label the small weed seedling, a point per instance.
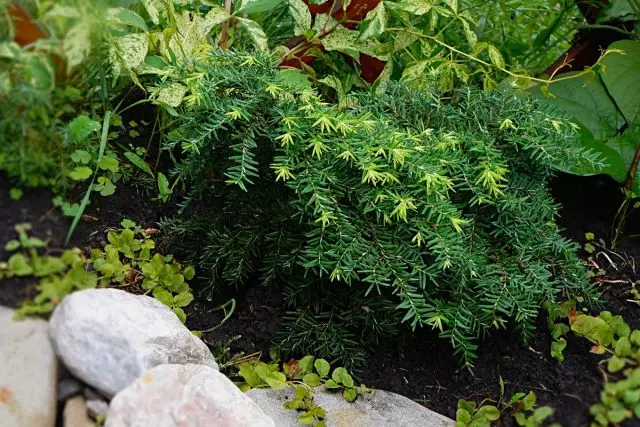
(612, 337)
(127, 260)
(57, 276)
(522, 407)
(302, 376)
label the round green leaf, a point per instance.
(312, 380)
(490, 412)
(349, 395)
(163, 295)
(322, 367)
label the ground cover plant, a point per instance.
(374, 164)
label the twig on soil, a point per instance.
(608, 259)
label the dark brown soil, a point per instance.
(423, 370)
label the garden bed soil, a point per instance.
(423, 369)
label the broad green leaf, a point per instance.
(77, 44)
(348, 42)
(379, 87)
(153, 8)
(301, 16)
(295, 78)
(335, 83)
(80, 173)
(183, 299)
(415, 7)
(137, 161)
(255, 32)
(495, 56)
(324, 22)
(616, 10)
(620, 74)
(155, 61)
(216, 16)
(9, 50)
(586, 101)
(322, 367)
(413, 71)
(40, 72)
(81, 127)
(471, 36)
(257, 6)
(123, 16)
(129, 51)
(453, 4)
(374, 23)
(171, 95)
(62, 12)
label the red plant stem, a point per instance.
(225, 27)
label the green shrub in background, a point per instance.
(435, 210)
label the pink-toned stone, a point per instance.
(184, 395)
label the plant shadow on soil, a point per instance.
(422, 369)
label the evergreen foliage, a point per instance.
(435, 210)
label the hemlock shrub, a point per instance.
(434, 209)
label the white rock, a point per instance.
(28, 373)
(382, 409)
(108, 337)
(184, 395)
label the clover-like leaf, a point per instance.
(80, 173)
(81, 156)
